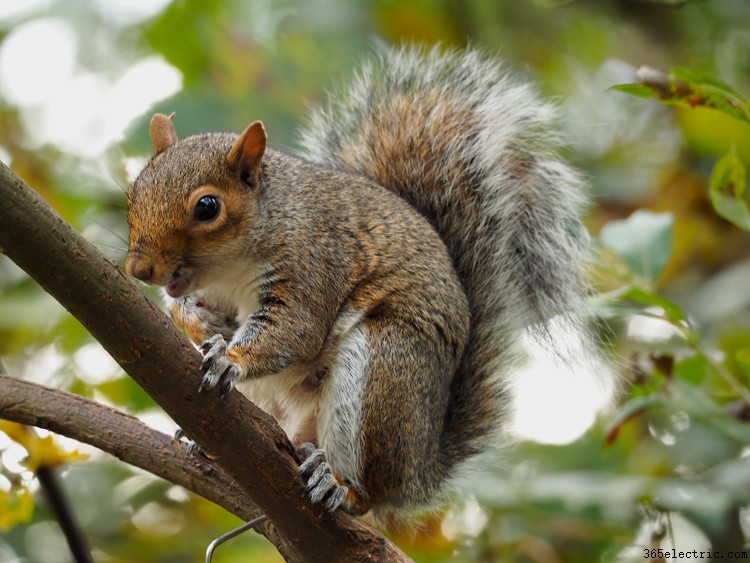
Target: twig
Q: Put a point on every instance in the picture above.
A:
(58, 502)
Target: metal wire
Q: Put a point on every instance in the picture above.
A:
(229, 535)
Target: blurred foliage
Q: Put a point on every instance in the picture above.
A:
(684, 88)
(40, 451)
(668, 466)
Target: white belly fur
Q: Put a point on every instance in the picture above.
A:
(293, 396)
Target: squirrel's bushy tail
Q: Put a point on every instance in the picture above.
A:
(475, 151)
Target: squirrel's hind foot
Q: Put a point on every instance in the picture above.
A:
(192, 447)
(322, 484)
(325, 486)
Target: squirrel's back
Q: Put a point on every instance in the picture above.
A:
(475, 151)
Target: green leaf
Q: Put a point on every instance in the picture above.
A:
(727, 190)
(638, 90)
(693, 369)
(672, 311)
(630, 410)
(704, 410)
(200, 29)
(685, 88)
(643, 241)
(710, 92)
(742, 356)
(671, 2)
(553, 3)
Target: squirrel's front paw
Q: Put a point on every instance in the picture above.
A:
(219, 368)
(215, 322)
(322, 484)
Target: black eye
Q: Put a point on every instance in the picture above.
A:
(206, 209)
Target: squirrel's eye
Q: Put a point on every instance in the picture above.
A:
(206, 209)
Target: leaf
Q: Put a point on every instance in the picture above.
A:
(643, 241)
(670, 2)
(638, 90)
(42, 451)
(693, 369)
(18, 507)
(727, 188)
(685, 88)
(194, 48)
(673, 312)
(742, 356)
(712, 93)
(629, 411)
(704, 410)
(553, 3)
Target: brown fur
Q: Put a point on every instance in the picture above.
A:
(373, 297)
(335, 244)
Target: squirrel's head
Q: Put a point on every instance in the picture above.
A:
(190, 207)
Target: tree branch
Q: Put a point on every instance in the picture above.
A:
(123, 436)
(246, 442)
(126, 438)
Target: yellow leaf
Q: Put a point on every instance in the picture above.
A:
(16, 507)
(41, 451)
(14, 431)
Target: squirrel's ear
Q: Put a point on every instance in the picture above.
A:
(162, 131)
(248, 149)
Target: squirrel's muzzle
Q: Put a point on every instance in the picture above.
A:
(139, 268)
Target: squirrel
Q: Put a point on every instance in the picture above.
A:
(372, 293)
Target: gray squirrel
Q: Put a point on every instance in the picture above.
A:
(371, 295)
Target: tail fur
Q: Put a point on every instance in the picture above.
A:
(475, 151)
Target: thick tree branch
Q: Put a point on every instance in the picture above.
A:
(247, 443)
(128, 439)
(123, 436)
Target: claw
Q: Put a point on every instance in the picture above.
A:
(212, 349)
(305, 451)
(229, 379)
(313, 459)
(208, 382)
(322, 484)
(219, 368)
(336, 498)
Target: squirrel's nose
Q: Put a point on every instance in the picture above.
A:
(140, 269)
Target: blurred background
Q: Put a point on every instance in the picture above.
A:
(664, 464)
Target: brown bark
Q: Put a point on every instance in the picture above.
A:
(127, 438)
(123, 436)
(246, 442)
